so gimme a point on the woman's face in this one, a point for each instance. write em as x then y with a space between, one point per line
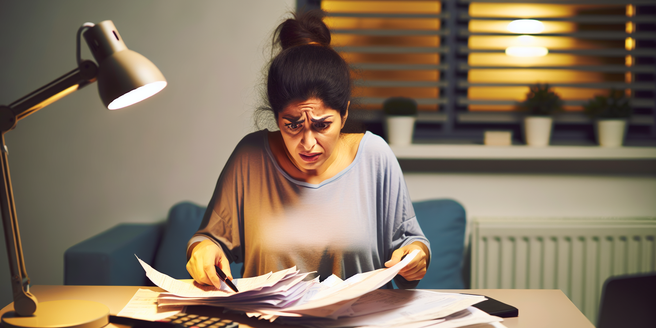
311 133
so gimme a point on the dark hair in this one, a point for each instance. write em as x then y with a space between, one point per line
307 66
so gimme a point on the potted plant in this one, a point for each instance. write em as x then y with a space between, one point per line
400 116
610 113
540 105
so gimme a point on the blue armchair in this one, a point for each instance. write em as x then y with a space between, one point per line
108 258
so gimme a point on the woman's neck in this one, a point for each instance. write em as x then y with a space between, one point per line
342 156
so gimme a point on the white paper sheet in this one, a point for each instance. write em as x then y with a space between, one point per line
328 303
244 285
394 308
470 316
143 305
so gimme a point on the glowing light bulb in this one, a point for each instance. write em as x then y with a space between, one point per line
526 26
137 95
526 51
526 39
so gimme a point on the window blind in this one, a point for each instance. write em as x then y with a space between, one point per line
455 57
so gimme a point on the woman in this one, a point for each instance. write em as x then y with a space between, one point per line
309 195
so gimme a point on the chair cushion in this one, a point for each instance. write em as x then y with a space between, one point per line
183 221
443 222
108 258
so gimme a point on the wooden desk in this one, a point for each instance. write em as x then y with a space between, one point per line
537 307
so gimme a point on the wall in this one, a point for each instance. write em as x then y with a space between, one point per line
542 195
77 168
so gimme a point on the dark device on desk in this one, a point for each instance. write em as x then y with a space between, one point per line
497 308
628 301
180 320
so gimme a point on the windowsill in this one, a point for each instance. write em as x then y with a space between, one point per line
517 152
520 159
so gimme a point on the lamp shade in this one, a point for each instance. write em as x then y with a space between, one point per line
124 76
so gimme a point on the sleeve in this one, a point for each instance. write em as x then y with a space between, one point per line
401 225
407 231
223 219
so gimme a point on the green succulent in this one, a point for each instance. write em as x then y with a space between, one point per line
614 105
400 106
541 101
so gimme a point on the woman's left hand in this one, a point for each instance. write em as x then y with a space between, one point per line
416 269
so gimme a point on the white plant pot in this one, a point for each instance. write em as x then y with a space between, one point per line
537 130
400 130
610 133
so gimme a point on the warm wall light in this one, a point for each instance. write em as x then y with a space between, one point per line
630 10
630 27
526 39
629 44
526 26
526 51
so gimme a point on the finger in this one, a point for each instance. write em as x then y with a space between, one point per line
396 257
409 271
198 275
191 268
225 267
418 261
414 265
201 265
415 276
212 276
203 268
413 273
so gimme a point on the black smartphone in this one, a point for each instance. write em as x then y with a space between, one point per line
497 308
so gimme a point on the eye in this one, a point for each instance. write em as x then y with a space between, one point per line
321 125
294 126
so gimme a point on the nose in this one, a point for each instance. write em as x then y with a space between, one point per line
308 140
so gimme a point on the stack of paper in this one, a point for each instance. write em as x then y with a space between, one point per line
405 308
299 298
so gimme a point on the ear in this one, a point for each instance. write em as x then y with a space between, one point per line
345 114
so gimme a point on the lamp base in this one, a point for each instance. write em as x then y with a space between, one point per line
61 314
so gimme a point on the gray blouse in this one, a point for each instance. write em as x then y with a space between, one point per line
348 224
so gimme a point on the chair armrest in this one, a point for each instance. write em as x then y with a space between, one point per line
444 222
108 258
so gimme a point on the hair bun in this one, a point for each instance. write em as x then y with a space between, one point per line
305 28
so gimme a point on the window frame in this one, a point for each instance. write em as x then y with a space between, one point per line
454 123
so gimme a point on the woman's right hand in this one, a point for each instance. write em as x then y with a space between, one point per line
201 265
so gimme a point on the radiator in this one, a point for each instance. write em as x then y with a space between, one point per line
573 255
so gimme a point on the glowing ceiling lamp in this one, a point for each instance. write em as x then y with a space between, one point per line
524 51
526 39
526 26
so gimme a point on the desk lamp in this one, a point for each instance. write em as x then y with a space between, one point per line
124 78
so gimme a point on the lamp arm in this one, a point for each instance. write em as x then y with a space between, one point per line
24 302
78 78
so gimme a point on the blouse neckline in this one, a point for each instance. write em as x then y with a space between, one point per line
341 173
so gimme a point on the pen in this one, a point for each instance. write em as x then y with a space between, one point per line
225 279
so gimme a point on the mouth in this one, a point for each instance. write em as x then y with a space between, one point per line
309 157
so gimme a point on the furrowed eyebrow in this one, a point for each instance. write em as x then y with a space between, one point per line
297 119
321 119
